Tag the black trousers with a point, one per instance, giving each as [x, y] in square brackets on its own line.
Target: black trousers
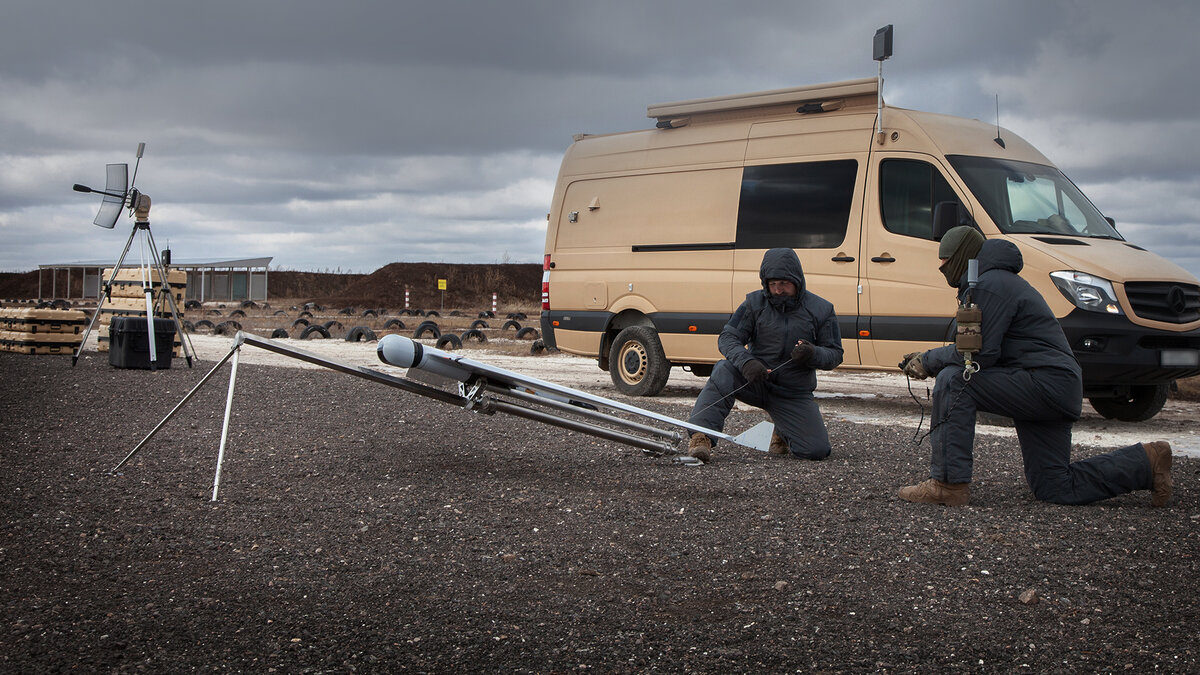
[796, 415]
[1043, 431]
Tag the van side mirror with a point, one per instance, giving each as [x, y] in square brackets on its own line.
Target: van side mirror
[949, 215]
[1111, 221]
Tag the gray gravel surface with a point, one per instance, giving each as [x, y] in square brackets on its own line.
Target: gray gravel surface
[363, 529]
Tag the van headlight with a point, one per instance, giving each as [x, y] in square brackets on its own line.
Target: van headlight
[1087, 292]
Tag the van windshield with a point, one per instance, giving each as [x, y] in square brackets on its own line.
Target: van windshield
[1026, 198]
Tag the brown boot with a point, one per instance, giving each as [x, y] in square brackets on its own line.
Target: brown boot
[700, 447]
[1159, 454]
[778, 445]
[934, 491]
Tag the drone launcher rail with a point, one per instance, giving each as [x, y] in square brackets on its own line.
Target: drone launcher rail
[480, 388]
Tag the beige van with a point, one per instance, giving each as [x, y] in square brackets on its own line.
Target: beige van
[655, 236]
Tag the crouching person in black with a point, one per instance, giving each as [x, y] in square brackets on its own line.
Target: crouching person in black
[1027, 372]
[773, 345]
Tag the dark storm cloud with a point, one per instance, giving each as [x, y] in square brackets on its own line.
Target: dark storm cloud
[353, 134]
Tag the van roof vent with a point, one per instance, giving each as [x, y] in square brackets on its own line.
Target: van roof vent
[795, 96]
[1062, 241]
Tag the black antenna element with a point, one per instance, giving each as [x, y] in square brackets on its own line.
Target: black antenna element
[999, 141]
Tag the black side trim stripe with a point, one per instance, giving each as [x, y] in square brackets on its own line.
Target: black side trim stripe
[904, 328]
[656, 248]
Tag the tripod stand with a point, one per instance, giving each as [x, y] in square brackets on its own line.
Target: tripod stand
[141, 206]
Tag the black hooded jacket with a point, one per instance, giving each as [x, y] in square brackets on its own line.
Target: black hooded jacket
[1019, 330]
[767, 328]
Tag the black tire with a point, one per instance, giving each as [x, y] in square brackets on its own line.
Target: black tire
[59, 303]
[511, 324]
[348, 311]
[394, 323]
[333, 323]
[479, 323]
[306, 313]
[520, 316]
[238, 312]
[361, 334]
[473, 334]
[429, 326]
[434, 313]
[193, 304]
[528, 332]
[189, 326]
[314, 330]
[1143, 402]
[279, 312]
[538, 347]
[204, 323]
[300, 322]
[487, 315]
[455, 312]
[449, 341]
[249, 304]
[213, 312]
[636, 362]
[369, 312]
[279, 333]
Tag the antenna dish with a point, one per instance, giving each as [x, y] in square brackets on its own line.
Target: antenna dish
[115, 187]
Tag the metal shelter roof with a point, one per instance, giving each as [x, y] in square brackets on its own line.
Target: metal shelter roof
[200, 263]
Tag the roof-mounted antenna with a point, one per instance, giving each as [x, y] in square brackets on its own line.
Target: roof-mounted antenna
[882, 52]
[999, 141]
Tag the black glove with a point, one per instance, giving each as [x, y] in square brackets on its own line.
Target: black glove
[754, 370]
[802, 353]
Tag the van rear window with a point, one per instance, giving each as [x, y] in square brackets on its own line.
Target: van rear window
[802, 205]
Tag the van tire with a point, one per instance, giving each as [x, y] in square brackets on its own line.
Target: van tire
[1143, 402]
[636, 362]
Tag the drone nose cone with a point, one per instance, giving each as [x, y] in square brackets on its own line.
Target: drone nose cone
[397, 350]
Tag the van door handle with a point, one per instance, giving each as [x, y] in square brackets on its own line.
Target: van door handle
[883, 258]
[842, 258]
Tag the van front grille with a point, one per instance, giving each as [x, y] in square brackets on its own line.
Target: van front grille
[1164, 301]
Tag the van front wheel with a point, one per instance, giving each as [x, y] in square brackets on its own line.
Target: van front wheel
[637, 363]
[1142, 403]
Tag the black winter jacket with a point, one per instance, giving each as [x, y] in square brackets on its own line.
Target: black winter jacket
[767, 328]
[1019, 330]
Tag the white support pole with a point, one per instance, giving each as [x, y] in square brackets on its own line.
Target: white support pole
[225, 424]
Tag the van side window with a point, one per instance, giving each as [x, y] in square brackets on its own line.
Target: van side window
[805, 205]
[909, 189]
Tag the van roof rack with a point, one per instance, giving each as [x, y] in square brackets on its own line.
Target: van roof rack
[764, 99]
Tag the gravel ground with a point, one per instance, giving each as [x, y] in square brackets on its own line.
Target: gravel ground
[365, 529]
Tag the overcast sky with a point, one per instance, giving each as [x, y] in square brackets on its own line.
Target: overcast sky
[348, 135]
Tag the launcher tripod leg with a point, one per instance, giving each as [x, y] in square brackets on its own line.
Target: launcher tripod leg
[236, 346]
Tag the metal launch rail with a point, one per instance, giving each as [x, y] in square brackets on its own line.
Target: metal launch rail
[479, 387]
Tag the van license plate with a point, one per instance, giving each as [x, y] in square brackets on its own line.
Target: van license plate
[1179, 357]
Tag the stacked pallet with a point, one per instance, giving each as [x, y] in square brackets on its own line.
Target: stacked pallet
[128, 298]
[41, 331]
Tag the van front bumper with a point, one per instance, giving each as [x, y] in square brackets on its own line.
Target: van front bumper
[1115, 353]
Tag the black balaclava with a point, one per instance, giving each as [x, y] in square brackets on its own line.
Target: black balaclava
[958, 246]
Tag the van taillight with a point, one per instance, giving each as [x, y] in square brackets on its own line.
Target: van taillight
[546, 283]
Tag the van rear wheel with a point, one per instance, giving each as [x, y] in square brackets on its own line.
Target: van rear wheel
[637, 363]
[1143, 402]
